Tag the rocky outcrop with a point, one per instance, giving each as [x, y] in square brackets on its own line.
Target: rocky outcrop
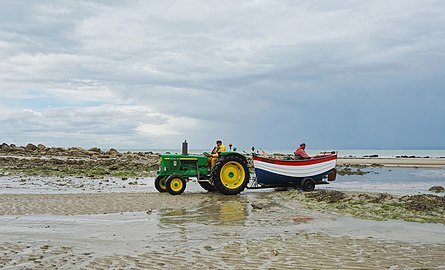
[4, 147]
[74, 159]
[16, 149]
[56, 151]
[95, 149]
[31, 147]
[113, 153]
[41, 147]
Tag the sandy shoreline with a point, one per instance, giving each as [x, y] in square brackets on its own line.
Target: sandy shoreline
[258, 230]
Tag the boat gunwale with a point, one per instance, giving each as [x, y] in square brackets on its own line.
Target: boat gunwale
[302, 162]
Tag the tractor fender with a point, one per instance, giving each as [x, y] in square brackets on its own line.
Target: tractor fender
[225, 154]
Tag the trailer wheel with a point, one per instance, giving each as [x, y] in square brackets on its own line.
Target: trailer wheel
[308, 184]
[175, 184]
[160, 183]
[230, 174]
[207, 186]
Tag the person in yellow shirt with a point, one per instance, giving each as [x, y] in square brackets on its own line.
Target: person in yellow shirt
[220, 147]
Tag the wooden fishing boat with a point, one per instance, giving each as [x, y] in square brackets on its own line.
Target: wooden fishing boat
[306, 173]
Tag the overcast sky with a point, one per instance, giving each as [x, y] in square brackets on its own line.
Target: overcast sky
[149, 74]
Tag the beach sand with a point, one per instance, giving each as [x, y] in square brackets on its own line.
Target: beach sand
[257, 230]
[394, 162]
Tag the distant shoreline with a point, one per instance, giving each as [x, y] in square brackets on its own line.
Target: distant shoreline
[349, 153]
[394, 162]
[387, 158]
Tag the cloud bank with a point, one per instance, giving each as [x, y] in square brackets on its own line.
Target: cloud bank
[149, 74]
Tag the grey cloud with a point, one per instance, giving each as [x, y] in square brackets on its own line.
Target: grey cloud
[244, 71]
[80, 126]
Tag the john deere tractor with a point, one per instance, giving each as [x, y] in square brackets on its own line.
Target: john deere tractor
[229, 175]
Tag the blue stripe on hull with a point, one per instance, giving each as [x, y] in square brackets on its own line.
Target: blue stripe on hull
[272, 179]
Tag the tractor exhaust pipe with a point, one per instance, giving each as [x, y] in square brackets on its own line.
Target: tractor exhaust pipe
[185, 148]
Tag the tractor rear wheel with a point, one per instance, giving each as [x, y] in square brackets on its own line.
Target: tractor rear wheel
[175, 184]
[230, 174]
[207, 186]
[160, 183]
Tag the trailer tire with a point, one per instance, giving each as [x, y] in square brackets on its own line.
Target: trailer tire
[175, 184]
[230, 174]
[160, 183]
[308, 184]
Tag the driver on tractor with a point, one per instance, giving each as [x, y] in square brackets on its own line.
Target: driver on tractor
[220, 147]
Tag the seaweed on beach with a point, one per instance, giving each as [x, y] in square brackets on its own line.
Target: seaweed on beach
[381, 206]
[75, 167]
[437, 189]
[348, 171]
[381, 197]
[329, 196]
[424, 202]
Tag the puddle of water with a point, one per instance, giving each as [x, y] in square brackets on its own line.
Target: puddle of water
[117, 233]
[382, 230]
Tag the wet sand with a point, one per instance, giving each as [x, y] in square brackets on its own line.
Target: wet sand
[256, 230]
[394, 162]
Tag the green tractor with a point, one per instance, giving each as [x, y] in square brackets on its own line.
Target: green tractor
[229, 175]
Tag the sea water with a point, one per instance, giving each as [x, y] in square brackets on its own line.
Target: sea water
[392, 180]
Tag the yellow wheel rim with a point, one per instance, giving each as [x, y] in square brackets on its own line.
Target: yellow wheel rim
[162, 183]
[232, 175]
[176, 184]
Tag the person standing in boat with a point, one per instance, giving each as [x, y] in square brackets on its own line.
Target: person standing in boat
[300, 153]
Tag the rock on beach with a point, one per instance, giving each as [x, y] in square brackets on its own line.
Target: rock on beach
[42, 160]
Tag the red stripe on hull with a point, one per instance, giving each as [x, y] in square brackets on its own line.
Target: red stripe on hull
[296, 162]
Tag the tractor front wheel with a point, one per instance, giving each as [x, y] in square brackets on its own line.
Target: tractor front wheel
[230, 174]
[160, 183]
[175, 184]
